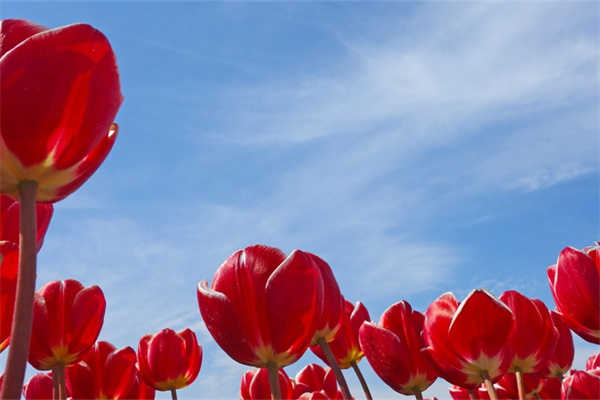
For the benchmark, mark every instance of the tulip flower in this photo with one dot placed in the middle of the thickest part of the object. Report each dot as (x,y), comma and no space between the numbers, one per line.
(581,385)
(67,321)
(467,341)
(60,94)
(533,338)
(39,387)
(313,378)
(393,348)
(254,385)
(575,285)
(562,357)
(263,308)
(169,360)
(103,373)
(345,347)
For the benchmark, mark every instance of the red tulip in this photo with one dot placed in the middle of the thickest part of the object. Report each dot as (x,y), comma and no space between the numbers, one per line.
(468,340)
(575,285)
(314,378)
(60,94)
(263,308)
(39,387)
(254,385)
(169,360)
(9,220)
(345,346)
(393,348)
(534,337)
(561,359)
(67,319)
(103,373)
(581,385)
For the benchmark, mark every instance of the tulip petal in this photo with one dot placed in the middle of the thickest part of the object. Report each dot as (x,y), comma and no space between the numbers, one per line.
(223,323)
(294,298)
(481,326)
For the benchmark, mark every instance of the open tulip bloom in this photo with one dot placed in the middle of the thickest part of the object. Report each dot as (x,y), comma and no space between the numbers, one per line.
(263,308)
(468,340)
(393,348)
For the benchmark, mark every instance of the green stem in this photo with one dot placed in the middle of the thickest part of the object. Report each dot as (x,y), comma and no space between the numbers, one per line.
(16,361)
(417,393)
(489,385)
(173,394)
(520,384)
(335,367)
(58,381)
(273,371)
(362,380)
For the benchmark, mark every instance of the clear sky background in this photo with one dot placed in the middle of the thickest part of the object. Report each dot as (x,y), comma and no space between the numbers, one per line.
(419,148)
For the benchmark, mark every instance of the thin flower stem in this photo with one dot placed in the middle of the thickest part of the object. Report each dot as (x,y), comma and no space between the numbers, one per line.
(58,381)
(273,371)
(520,384)
(417,393)
(560,377)
(362,380)
(16,360)
(335,367)
(537,396)
(471,394)
(173,394)
(489,385)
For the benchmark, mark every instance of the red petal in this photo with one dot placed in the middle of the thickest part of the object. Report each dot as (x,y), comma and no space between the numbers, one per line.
(481,326)
(223,323)
(294,300)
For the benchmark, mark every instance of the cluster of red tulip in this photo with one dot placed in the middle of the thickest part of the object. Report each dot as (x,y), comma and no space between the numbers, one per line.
(263,308)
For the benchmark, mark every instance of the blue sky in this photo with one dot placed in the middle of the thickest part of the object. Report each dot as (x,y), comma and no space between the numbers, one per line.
(419,148)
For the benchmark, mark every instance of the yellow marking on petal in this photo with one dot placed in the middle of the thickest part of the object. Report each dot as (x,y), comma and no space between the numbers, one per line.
(525,365)
(417,380)
(353,355)
(473,368)
(12,172)
(178,383)
(266,354)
